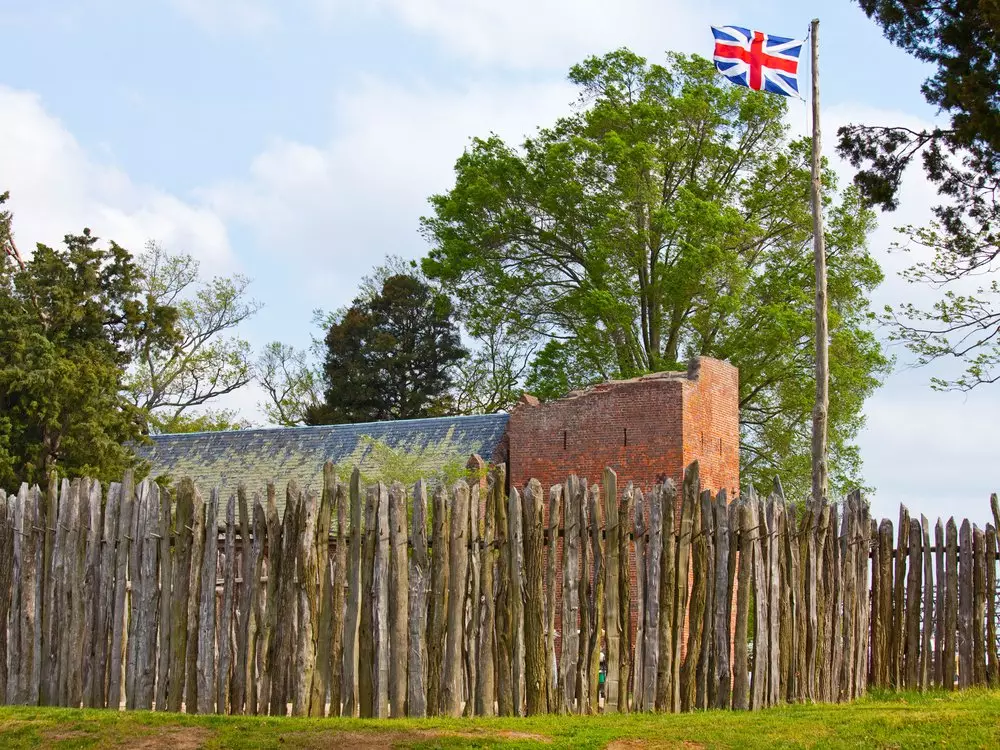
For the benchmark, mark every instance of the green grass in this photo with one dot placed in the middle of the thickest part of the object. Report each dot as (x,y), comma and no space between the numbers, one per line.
(970,719)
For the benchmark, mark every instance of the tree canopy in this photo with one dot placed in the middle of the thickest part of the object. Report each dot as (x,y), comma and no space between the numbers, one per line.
(667,217)
(389,356)
(961,40)
(70,320)
(207,360)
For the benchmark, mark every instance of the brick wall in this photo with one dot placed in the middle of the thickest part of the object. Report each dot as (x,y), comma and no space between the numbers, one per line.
(643,428)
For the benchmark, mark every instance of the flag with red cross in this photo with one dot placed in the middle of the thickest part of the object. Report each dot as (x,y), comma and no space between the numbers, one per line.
(762,62)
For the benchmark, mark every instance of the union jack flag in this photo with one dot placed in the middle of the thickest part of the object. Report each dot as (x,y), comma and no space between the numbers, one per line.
(762,62)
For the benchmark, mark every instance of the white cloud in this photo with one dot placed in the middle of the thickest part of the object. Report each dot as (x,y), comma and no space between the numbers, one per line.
(58,188)
(250,16)
(527,33)
(340,207)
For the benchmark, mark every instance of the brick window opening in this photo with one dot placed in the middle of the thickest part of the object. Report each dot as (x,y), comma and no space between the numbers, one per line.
(625,436)
(564,439)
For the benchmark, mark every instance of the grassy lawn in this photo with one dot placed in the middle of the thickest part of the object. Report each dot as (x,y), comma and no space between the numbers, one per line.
(905,720)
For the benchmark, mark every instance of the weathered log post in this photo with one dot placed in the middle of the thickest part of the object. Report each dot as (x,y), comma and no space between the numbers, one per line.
(504,611)
(612,621)
(939,615)
(626,512)
(323,627)
(419,581)
(597,620)
(486,685)
(723,596)
(352,618)
(451,684)
(978,606)
(586,605)
(534,628)
(912,619)
(470,607)
(640,529)
(286,602)
(380,607)
(206,609)
(950,603)
(927,621)
(965,593)
(366,632)
(690,492)
(307,603)
(555,509)
(268,641)
(194,599)
(651,627)
(340,576)
(437,611)
(705,667)
(399,602)
(668,584)
(898,602)
(992,648)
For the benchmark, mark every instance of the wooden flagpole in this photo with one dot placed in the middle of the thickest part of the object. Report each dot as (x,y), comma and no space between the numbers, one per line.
(820,472)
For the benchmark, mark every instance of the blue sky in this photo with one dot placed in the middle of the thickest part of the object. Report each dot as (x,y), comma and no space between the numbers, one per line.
(297,141)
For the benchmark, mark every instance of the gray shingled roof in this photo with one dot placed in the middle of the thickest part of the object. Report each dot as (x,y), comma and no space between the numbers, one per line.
(224,459)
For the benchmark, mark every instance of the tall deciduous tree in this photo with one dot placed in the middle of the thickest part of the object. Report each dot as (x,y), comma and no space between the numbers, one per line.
(292,385)
(961,39)
(69,322)
(208,360)
(669,217)
(390,356)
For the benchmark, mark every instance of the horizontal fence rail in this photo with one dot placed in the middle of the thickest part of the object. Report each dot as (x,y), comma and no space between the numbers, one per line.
(390,601)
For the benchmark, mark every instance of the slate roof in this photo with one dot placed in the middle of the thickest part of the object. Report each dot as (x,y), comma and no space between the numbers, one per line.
(256,456)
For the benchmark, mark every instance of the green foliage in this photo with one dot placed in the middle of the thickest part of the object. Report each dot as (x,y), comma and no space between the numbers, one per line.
(961,40)
(389,356)
(209,420)
(380,462)
(292,385)
(69,322)
(668,217)
(207,360)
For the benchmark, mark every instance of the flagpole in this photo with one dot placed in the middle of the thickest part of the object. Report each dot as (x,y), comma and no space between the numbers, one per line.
(820,473)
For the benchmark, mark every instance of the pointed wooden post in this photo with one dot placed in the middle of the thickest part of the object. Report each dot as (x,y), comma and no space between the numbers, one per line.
(419,579)
(451,682)
(555,509)
(399,601)
(352,619)
(535,676)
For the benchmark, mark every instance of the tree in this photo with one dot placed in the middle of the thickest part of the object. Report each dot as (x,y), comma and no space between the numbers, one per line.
(389,356)
(207,361)
(69,322)
(667,218)
(292,385)
(961,38)
(206,420)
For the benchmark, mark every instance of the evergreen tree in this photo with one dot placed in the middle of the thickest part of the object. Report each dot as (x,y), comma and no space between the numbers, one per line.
(389,356)
(69,321)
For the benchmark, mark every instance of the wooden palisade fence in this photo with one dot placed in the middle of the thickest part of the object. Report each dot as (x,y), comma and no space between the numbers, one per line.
(376,601)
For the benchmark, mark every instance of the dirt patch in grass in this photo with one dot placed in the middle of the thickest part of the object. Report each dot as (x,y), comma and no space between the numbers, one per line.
(181,738)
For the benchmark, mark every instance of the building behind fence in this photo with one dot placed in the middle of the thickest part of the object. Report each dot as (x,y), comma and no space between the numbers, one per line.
(388,601)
